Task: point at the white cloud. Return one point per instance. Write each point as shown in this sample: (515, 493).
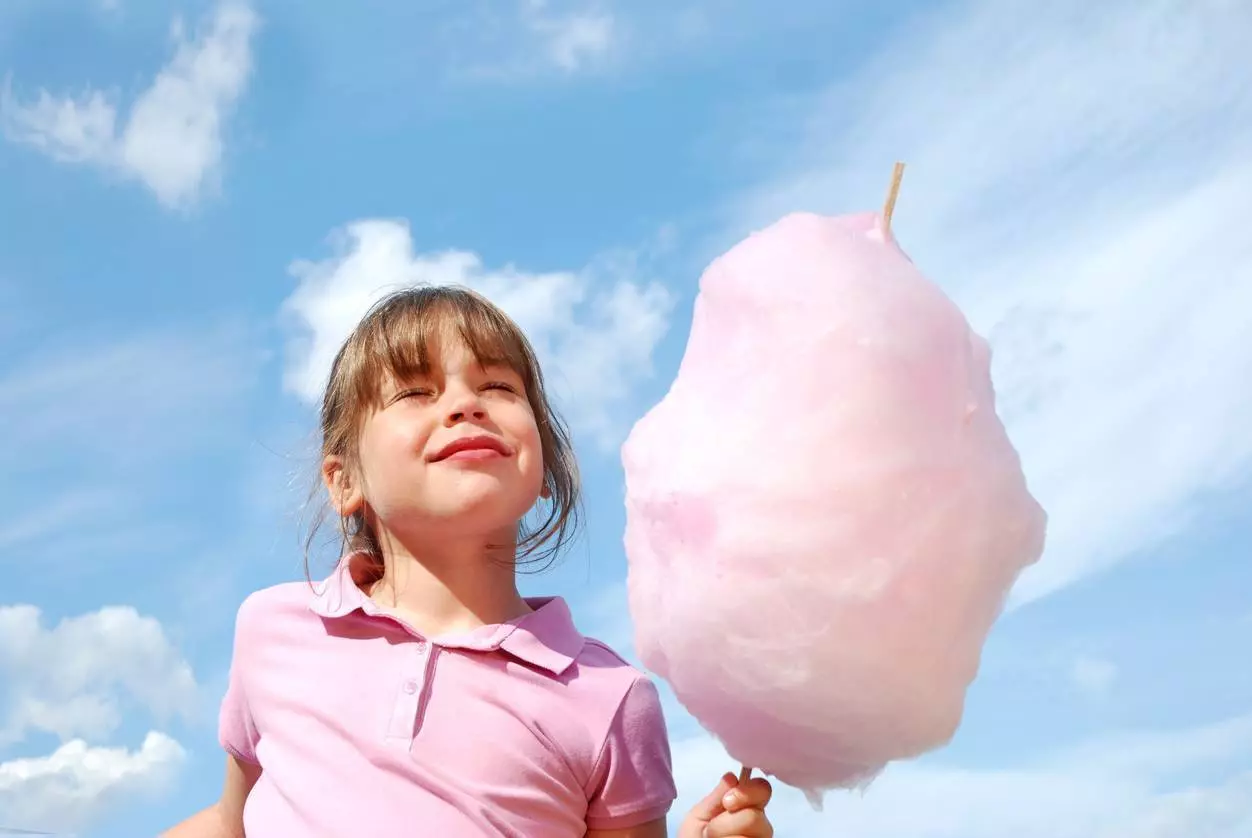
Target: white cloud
(595, 334)
(71, 680)
(76, 681)
(1078, 180)
(172, 139)
(77, 784)
(1129, 786)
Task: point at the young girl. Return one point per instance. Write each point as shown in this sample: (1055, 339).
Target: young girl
(414, 692)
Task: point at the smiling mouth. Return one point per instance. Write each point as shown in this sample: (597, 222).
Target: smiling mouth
(472, 448)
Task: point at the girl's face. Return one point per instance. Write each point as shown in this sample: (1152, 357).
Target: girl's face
(455, 452)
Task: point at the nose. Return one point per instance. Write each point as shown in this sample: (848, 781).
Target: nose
(463, 404)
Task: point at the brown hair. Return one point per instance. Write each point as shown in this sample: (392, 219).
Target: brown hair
(393, 341)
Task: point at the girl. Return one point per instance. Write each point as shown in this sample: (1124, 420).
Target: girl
(414, 692)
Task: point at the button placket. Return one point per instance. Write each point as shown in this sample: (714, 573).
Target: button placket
(404, 716)
(429, 652)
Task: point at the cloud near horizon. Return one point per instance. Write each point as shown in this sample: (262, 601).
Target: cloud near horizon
(1120, 785)
(75, 681)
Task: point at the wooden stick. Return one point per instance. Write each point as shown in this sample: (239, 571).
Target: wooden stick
(890, 207)
(745, 774)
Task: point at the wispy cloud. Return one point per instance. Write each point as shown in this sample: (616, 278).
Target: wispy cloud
(124, 401)
(96, 436)
(572, 39)
(172, 138)
(595, 338)
(1078, 179)
(47, 519)
(541, 40)
(522, 40)
(1093, 676)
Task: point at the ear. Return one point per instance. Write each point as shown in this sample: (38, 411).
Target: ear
(345, 496)
(545, 492)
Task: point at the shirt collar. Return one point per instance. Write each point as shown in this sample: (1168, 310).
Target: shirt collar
(338, 595)
(545, 638)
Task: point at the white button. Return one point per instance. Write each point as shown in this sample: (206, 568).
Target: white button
(410, 687)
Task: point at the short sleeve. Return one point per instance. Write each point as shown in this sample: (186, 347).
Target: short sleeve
(236, 729)
(633, 781)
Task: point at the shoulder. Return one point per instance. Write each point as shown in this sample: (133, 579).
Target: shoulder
(629, 694)
(600, 654)
(277, 604)
(598, 659)
(631, 780)
(282, 597)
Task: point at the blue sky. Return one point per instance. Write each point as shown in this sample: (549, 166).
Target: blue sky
(196, 201)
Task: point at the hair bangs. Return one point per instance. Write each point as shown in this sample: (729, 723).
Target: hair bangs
(400, 341)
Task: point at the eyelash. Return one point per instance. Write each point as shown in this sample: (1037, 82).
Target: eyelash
(490, 385)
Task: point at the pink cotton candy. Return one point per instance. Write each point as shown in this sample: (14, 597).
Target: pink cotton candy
(824, 514)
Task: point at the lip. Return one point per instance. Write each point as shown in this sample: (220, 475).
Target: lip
(472, 447)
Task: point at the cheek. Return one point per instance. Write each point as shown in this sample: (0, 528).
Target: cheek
(518, 425)
(533, 466)
(385, 451)
(526, 432)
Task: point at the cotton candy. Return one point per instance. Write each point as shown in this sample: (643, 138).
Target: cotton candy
(824, 514)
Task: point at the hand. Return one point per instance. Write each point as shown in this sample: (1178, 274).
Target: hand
(731, 811)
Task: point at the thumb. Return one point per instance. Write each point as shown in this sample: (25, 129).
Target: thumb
(711, 806)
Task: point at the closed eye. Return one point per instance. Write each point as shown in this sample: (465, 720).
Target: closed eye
(500, 385)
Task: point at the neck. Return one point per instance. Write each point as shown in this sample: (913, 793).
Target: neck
(450, 587)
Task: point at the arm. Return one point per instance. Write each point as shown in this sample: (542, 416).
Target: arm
(224, 819)
(654, 829)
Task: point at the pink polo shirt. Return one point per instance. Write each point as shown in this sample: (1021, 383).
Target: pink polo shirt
(362, 727)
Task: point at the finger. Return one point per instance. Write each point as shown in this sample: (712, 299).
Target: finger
(713, 804)
(746, 823)
(755, 793)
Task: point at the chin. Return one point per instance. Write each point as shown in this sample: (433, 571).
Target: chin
(486, 510)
